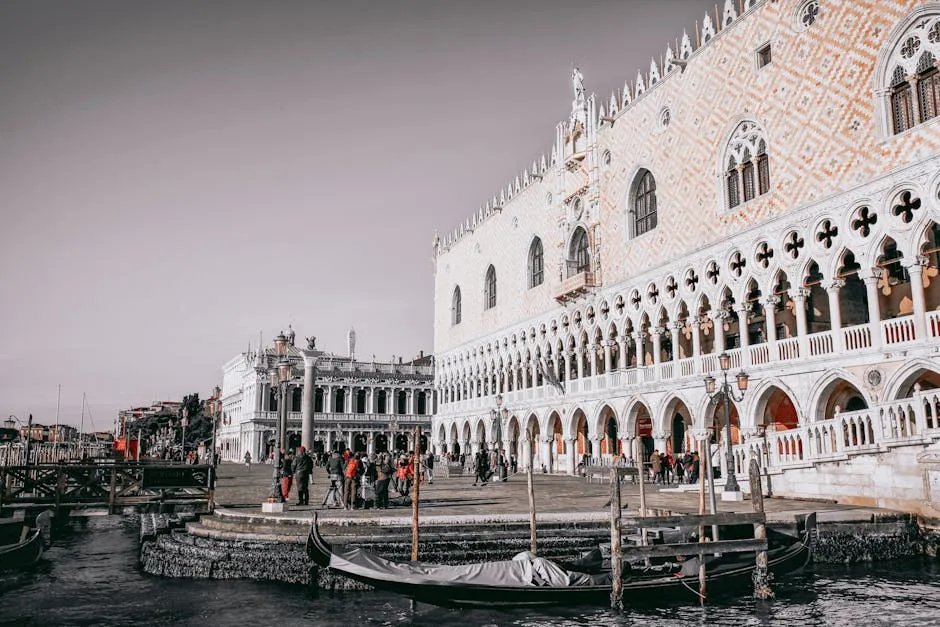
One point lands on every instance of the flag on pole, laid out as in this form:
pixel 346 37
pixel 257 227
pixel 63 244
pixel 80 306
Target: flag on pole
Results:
pixel 549 375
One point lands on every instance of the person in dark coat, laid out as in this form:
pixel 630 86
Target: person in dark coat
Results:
pixel 287 474
pixel 383 474
pixel 303 469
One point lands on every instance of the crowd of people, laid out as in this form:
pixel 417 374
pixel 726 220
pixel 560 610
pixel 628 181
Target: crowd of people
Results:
pixel 357 481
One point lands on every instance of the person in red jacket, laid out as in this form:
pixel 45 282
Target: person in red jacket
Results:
pixel 351 486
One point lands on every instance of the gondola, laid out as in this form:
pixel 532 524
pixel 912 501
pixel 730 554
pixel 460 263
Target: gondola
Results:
pixel 510 583
pixel 24 552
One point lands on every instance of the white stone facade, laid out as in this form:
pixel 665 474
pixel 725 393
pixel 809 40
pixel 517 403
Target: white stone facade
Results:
pixel 753 195
pixel 364 405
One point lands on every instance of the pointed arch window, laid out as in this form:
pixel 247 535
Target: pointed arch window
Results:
pixel 536 263
pixel 455 307
pixel 489 288
pixel 644 203
pixel 579 253
pixel 911 76
pixel 747 173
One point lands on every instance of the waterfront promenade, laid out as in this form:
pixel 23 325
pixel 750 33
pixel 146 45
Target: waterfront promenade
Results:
pixel 241 490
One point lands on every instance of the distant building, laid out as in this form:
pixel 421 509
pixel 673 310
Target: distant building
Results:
pixel 369 406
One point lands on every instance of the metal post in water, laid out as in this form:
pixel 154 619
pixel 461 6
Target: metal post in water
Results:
pixel 416 469
pixel 762 576
pixel 616 551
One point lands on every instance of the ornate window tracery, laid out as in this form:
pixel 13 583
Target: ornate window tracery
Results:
pixel 748 168
pixel 489 288
pixel 579 255
pixel 536 263
pixel 912 79
pixel 455 307
pixel 644 203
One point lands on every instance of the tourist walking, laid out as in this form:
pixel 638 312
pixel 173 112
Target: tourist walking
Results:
pixel 287 474
pixel 247 459
pixel 383 476
pixel 656 467
pixel 303 469
pixel 482 468
pixel 429 468
pixel 352 483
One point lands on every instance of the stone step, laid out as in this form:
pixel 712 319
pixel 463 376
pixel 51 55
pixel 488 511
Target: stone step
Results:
pixel 268 534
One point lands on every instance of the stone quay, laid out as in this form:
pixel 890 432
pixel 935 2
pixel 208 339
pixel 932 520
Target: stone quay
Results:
pixel 461 523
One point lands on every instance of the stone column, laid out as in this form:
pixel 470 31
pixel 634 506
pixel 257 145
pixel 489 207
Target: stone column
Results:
pixel 596 452
pixel 572 454
pixel 327 399
pixel 535 370
pixel 309 394
pixel 770 321
pixel 526 455
pixel 916 270
pixel 622 361
pixel 659 441
pixel 743 311
pixel 579 356
pixel 835 312
pixel 592 362
pixel 638 337
pixel 799 295
pixel 545 451
pixel 696 343
pixel 607 356
pixel 718 317
pixel 657 333
pixel 674 329
pixel 874 308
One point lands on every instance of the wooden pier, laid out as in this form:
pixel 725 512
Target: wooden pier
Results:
pixel 116 486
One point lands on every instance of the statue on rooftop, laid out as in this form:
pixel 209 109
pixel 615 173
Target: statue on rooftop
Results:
pixel 577 83
pixel 312 343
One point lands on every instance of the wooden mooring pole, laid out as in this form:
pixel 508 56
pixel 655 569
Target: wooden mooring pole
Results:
pixel 616 550
pixel 416 469
pixel 701 510
pixel 531 486
pixel 762 576
pixel 642 470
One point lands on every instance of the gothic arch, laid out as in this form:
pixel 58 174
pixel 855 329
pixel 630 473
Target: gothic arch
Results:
pixel 900 382
pixel 763 393
pixel 821 394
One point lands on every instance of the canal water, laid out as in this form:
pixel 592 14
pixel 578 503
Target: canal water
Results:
pixel 90 577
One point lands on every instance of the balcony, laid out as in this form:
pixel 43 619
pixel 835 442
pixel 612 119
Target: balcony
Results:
pixel 575 286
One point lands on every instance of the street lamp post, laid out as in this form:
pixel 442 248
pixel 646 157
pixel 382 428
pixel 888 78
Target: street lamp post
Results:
pixel 498 414
pixel 279 379
pixel 727 394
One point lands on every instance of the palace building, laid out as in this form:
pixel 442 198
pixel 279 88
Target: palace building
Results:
pixel 768 191
pixel 367 406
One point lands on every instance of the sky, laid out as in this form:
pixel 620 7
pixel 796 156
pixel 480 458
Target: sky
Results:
pixel 177 177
